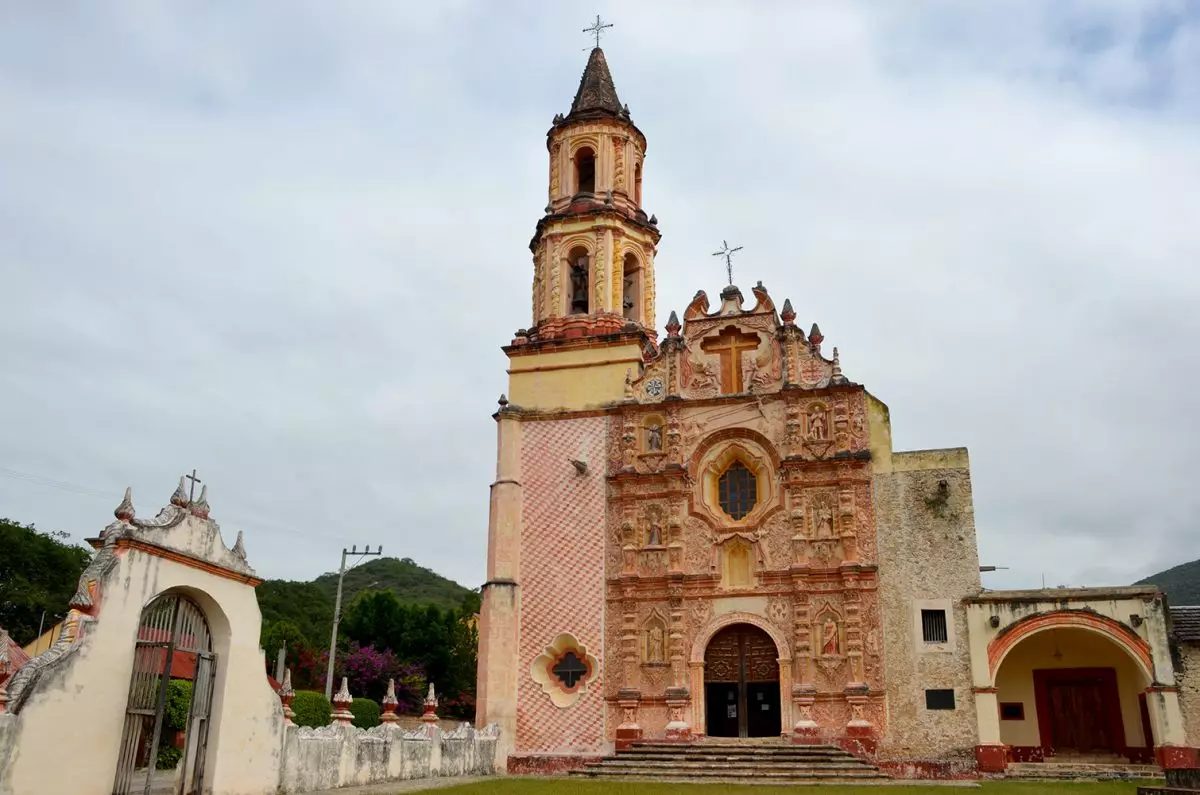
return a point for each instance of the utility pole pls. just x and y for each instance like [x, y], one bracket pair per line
[337, 609]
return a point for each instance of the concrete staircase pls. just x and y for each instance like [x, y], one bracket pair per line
[1083, 771]
[735, 762]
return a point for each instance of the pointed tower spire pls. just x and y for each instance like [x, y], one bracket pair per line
[596, 94]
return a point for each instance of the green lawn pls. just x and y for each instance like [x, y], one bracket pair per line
[553, 786]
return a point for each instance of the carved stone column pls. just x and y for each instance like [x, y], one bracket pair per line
[677, 704]
[630, 670]
[805, 731]
[628, 731]
[859, 730]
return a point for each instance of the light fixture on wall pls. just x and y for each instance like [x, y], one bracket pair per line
[1057, 654]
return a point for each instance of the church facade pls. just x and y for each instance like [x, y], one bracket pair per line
[708, 534]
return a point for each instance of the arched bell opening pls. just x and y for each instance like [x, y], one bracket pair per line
[579, 269]
[631, 289]
[741, 683]
[585, 170]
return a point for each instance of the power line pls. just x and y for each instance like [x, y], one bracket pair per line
[115, 496]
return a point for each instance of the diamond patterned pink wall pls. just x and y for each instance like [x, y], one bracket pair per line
[562, 575]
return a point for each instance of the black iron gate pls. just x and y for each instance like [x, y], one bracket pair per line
[173, 642]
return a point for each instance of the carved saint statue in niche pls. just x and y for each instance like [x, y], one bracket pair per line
[654, 645]
[817, 429]
[654, 438]
[579, 286]
[654, 534]
[829, 637]
[823, 519]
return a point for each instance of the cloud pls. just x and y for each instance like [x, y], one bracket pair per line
[284, 243]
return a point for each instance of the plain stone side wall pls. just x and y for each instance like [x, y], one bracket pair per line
[342, 756]
[927, 554]
[1188, 678]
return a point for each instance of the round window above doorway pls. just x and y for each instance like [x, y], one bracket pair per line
[736, 483]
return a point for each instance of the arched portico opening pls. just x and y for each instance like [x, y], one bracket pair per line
[167, 715]
[1068, 690]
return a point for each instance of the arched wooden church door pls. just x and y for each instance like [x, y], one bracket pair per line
[173, 643]
[741, 683]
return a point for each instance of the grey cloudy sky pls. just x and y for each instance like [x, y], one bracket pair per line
[283, 242]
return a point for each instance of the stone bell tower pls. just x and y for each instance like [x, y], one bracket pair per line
[541, 629]
[593, 258]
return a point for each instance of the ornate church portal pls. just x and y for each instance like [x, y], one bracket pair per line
[741, 683]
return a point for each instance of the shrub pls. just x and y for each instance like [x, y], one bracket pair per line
[179, 702]
[366, 713]
[168, 757]
[312, 709]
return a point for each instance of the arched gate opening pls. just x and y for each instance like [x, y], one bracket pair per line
[162, 751]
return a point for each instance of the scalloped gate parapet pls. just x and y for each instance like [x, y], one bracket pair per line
[203, 542]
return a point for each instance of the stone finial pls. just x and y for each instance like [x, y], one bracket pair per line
[653, 220]
[815, 337]
[431, 704]
[629, 384]
[180, 497]
[5, 654]
[341, 704]
[788, 315]
[124, 511]
[239, 546]
[286, 694]
[673, 324]
[837, 367]
[503, 401]
[200, 507]
[389, 703]
[5, 669]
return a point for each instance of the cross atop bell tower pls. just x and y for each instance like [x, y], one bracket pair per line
[593, 250]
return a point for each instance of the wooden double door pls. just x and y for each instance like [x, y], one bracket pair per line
[741, 684]
[1079, 711]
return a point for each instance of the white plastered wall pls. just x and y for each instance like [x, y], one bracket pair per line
[69, 730]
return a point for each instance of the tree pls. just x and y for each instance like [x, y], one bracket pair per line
[38, 572]
[442, 643]
[282, 633]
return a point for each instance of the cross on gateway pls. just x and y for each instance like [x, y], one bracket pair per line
[596, 28]
[192, 491]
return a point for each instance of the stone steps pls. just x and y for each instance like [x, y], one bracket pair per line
[1078, 771]
[733, 762]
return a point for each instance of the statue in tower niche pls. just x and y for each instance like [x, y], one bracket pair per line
[579, 286]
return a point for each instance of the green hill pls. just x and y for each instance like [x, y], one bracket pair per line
[1181, 584]
[309, 605]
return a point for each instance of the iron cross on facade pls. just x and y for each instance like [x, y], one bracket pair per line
[727, 253]
[192, 491]
[596, 28]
